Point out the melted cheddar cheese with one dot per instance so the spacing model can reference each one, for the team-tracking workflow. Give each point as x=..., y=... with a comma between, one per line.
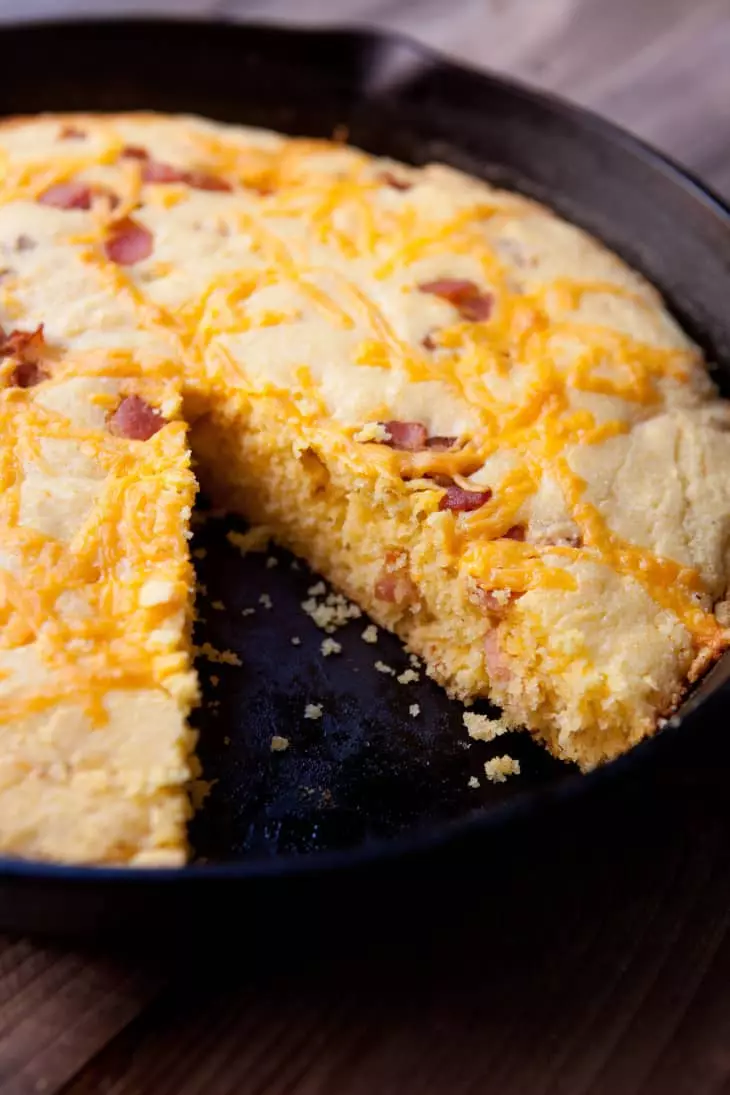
x=299, y=296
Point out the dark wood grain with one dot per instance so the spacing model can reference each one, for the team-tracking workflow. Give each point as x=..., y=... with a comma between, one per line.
x=58, y=1007
x=595, y=970
x=604, y=968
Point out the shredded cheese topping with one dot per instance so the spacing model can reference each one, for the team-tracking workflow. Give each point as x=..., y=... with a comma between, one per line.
x=305, y=278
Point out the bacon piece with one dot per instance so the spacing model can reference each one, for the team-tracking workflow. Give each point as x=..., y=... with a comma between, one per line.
x=67, y=195
x=394, y=583
x=495, y=601
x=27, y=374
x=429, y=343
x=135, y=419
x=27, y=345
x=201, y=180
x=463, y=501
x=128, y=242
x=494, y=658
x=155, y=172
x=134, y=152
x=477, y=308
x=71, y=133
x=471, y=303
x=441, y=444
x=390, y=179
x=406, y=436
x=517, y=532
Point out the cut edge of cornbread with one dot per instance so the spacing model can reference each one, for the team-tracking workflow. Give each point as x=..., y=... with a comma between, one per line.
x=255, y=464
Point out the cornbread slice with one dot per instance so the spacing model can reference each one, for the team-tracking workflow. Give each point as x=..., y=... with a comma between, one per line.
x=95, y=584
x=474, y=420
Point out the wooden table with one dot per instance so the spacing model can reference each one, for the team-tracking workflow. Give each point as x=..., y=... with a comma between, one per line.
x=602, y=967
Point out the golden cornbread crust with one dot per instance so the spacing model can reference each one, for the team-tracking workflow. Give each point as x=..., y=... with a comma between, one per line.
x=469, y=416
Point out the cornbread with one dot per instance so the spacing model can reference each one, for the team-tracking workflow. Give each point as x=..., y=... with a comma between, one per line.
x=498, y=769
x=477, y=423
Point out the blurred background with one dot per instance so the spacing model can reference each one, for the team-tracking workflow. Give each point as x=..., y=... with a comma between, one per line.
x=658, y=67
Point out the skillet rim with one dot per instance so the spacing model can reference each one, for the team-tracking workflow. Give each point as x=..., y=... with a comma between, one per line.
x=426, y=838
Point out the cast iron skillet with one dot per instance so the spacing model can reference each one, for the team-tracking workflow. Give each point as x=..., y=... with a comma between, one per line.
x=368, y=792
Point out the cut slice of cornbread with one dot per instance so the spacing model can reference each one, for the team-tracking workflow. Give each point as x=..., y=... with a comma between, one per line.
x=472, y=418
x=95, y=584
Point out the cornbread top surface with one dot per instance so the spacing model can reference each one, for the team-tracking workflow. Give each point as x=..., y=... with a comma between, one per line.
x=557, y=432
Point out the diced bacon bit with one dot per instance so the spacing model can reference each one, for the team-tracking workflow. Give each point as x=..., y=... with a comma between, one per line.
x=517, y=532
x=390, y=179
x=441, y=444
x=67, y=195
x=27, y=374
x=394, y=583
x=201, y=180
x=134, y=152
x=155, y=172
x=27, y=345
x=471, y=303
x=135, y=419
x=494, y=658
x=495, y=601
x=406, y=436
x=71, y=133
x=429, y=342
x=463, y=501
x=128, y=242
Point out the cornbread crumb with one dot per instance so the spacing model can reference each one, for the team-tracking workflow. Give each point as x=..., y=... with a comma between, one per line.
x=218, y=606
x=279, y=744
x=226, y=740
x=383, y=668
x=294, y=565
x=218, y=657
x=408, y=676
x=201, y=589
x=330, y=646
x=248, y=611
x=370, y=634
x=296, y=641
x=199, y=553
x=215, y=681
x=482, y=728
x=499, y=768
x=265, y=600
x=414, y=660
x=473, y=782
x=414, y=710
x=317, y=590
x=372, y=431
x=271, y=562
x=313, y=711
x=331, y=613
x=256, y=539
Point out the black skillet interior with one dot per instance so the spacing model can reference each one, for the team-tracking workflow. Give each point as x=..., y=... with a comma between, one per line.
x=368, y=770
